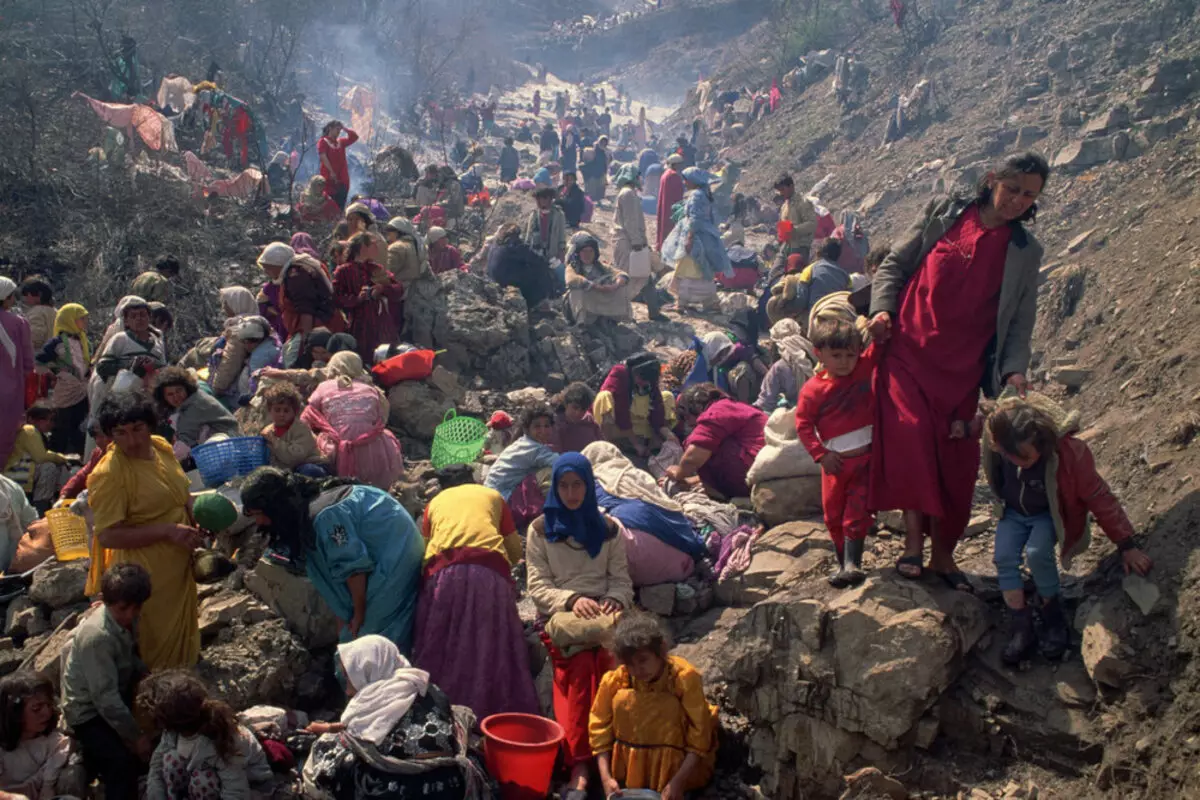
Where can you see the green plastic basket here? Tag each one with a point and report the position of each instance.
(457, 440)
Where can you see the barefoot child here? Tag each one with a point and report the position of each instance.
(1048, 484)
(835, 413)
(651, 726)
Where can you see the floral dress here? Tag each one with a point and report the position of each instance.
(341, 767)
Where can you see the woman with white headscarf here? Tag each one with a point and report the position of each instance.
(16, 362)
(796, 364)
(349, 415)
(398, 737)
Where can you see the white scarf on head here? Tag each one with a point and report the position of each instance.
(386, 686)
(7, 287)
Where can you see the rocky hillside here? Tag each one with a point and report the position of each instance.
(907, 679)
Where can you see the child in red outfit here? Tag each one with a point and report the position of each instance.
(834, 416)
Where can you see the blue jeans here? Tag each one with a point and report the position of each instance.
(315, 471)
(1035, 535)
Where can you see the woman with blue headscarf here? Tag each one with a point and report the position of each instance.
(694, 247)
(579, 582)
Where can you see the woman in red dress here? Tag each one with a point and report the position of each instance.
(955, 301)
(370, 295)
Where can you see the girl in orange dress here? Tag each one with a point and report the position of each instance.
(651, 726)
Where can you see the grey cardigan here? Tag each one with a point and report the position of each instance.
(1010, 349)
(200, 410)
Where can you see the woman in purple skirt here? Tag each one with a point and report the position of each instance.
(469, 637)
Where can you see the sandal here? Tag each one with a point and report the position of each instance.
(956, 581)
(911, 561)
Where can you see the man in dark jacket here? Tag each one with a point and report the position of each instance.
(571, 198)
(510, 161)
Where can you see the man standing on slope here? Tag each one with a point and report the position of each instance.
(797, 223)
(670, 192)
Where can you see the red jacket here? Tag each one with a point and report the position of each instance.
(1075, 490)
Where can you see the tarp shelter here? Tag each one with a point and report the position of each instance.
(155, 130)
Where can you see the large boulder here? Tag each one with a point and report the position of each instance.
(259, 664)
(417, 408)
(787, 499)
(57, 584)
(294, 598)
(827, 678)
(487, 331)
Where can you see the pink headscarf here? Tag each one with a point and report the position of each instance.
(303, 243)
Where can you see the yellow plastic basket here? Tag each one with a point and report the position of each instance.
(69, 533)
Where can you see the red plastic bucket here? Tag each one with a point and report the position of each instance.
(520, 751)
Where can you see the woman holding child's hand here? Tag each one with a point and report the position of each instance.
(956, 301)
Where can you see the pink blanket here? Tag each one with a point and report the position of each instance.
(154, 129)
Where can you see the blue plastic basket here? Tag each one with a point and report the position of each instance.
(220, 461)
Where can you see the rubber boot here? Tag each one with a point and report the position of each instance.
(1056, 636)
(1023, 639)
(836, 575)
(852, 571)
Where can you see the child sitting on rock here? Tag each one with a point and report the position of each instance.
(574, 427)
(200, 755)
(292, 443)
(40, 472)
(835, 413)
(100, 672)
(651, 726)
(1047, 481)
(521, 472)
(34, 755)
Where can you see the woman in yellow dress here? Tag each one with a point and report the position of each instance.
(651, 726)
(142, 508)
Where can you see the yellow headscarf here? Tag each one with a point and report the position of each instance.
(67, 321)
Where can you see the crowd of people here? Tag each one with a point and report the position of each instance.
(880, 363)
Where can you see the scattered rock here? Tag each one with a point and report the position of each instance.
(294, 598)
(260, 665)
(878, 201)
(223, 610)
(1104, 653)
(980, 523)
(1077, 243)
(1076, 694)
(25, 618)
(1083, 154)
(870, 782)
(1143, 592)
(1110, 121)
(57, 585)
(659, 598)
(1071, 377)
